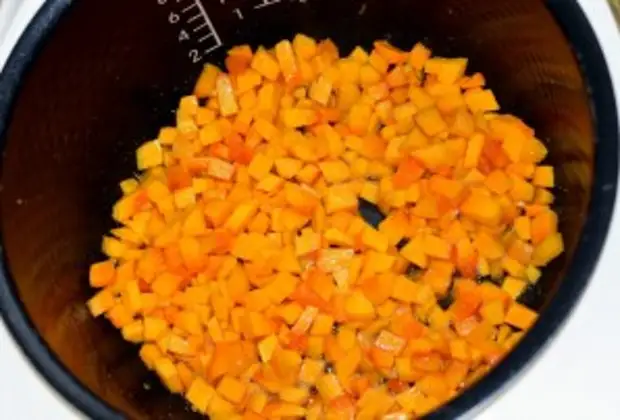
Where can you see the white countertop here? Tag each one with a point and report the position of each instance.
(577, 377)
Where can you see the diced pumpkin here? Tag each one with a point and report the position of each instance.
(199, 395)
(357, 306)
(246, 267)
(481, 100)
(102, 274)
(266, 64)
(520, 316)
(226, 96)
(101, 303)
(431, 121)
(547, 250)
(482, 208)
(415, 253)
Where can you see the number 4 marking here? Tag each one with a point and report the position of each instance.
(183, 35)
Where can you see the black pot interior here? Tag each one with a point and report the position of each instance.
(111, 73)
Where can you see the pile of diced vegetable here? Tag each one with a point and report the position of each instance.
(242, 265)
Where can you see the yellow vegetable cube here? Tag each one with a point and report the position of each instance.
(154, 328)
(329, 387)
(286, 59)
(311, 371)
(283, 410)
(184, 198)
(113, 248)
(414, 252)
(165, 284)
(431, 121)
(129, 185)
(308, 174)
(169, 375)
(241, 216)
(298, 117)
(270, 184)
(412, 401)
(280, 288)
(474, 150)
(258, 401)
(149, 155)
(493, 312)
(220, 409)
(132, 296)
(200, 395)
(370, 192)
(532, 274)
(321, 90)
(260, 166)
(232, 389)
(375, 239)
(359, 54)
(514, 287)
(523, 227)
(335, 237)
(335, 171)
(248, 80)
(210, 134)
(287, 168)
(308, 242)
(377, 263)
(101, 303)
(520, 316)
(420, 98)
(149, 353)
(340, 198)
(205, 86)
(481, 101)
(358, 307)
(294, 395)
(220, 169)
(548, 249)
(543, 177)
(322, 325)
(226, 96)
(266, 64)
(305, 47)
(266, 129)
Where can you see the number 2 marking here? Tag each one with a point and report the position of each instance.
(194, 54)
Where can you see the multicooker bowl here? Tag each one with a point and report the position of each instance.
(90, 80)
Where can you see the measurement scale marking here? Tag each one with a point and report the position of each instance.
(188, 8)
(266, 3)
(207, 36)
(193, 18)
(208, 23)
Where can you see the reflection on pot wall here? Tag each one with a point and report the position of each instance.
(615, 8)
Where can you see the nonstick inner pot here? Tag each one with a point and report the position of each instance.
(109, 73)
